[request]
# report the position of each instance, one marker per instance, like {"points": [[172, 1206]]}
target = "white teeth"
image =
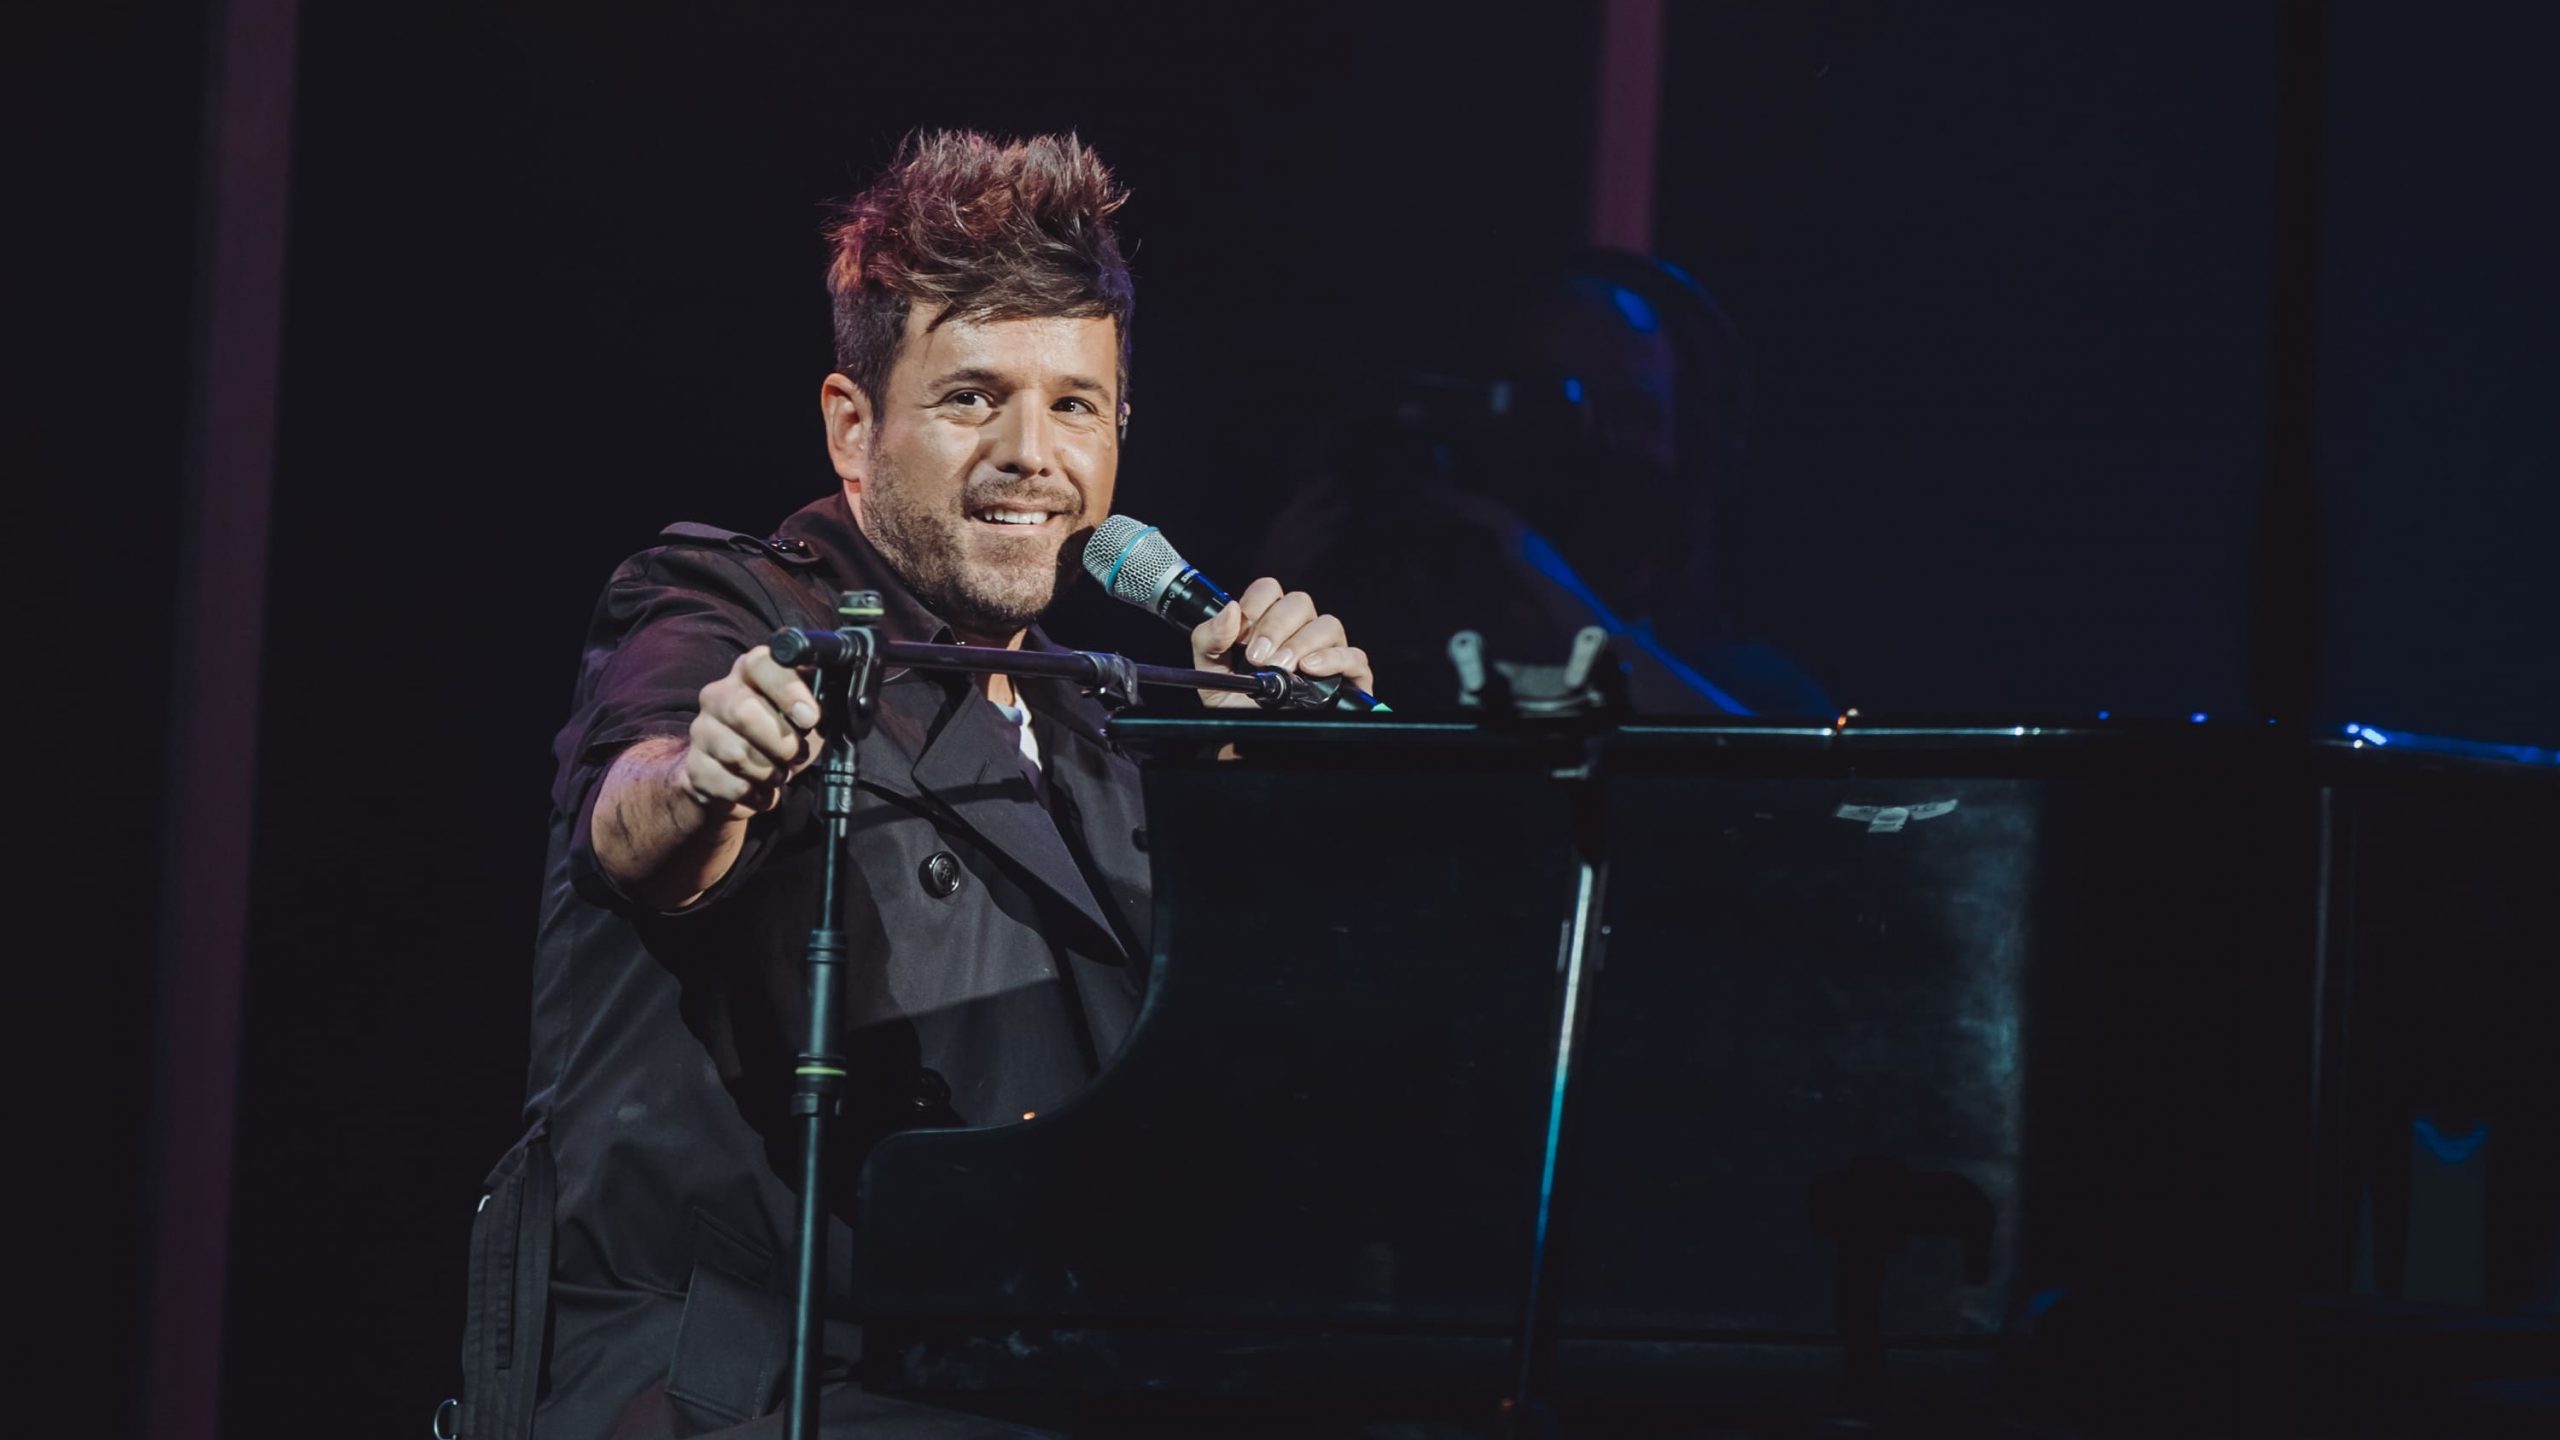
{"points": [[1012, 517]]}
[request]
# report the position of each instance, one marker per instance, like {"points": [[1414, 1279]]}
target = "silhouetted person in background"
{"points": [[1575, 470]]}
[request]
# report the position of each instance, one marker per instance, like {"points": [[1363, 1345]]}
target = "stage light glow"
{"points": [[2361, 735], [1640, 316], [2451, 1149]]}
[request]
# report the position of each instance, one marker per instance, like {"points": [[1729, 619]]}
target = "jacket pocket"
{"points": [[732, 1348], [508, 1307]]}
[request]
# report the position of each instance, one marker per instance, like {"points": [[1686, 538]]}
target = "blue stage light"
{"points": [[1632, 305], [2451, 1149], [2364, 735]]}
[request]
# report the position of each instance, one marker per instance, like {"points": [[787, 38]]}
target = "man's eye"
{"points": [[1080, 403], [965, 397]]}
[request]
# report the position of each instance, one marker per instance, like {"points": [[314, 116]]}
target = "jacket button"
{"points": [[940, 873], [927, 1092], [1138, 838]]}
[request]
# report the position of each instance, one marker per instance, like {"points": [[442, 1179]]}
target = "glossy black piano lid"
{"points": [[1935, 1035]]}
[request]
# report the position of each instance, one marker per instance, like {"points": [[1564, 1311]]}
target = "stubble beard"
{"points": [[926, 545]]}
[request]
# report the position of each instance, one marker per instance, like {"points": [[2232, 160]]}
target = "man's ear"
{"points": [[850, 419], [1124, 422]]}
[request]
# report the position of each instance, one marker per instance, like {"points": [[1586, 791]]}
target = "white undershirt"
{"points": [[1020, 715]]}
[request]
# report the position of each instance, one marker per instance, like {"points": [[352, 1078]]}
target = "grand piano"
{"points": [[1742, 1079]]}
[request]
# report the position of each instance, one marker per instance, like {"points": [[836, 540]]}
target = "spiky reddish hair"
{"points": [[981, 228]]}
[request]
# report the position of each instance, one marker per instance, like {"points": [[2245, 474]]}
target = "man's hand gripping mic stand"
{"points": [[849, 661]]}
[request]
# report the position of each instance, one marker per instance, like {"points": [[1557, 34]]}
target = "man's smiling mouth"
{"points": [[1024, 514]]}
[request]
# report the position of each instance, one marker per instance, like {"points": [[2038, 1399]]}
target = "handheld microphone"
{"points": [[1134, 561]]}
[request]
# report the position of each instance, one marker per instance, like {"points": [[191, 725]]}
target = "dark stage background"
{"points": [[553, 281]]}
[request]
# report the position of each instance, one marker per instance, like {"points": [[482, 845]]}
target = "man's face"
{"points": [[994, 442]]}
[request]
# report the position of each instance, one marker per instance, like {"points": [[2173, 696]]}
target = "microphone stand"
{"points": [[850, 660], [849, 694]]}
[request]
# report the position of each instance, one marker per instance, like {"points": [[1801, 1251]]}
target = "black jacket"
{"points": [[998, 954]]}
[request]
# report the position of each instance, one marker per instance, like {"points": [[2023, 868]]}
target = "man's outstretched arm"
{"points": [[671, 814]]}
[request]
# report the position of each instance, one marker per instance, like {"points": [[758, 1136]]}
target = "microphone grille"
{"points": [[1133, 560]]}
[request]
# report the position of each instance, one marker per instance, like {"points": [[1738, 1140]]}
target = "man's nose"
{"points": [[1025, 442]]}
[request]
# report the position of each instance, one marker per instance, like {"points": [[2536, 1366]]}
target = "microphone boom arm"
{"points": [[1114, 679]]}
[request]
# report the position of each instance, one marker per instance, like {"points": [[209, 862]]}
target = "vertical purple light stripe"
{"points": [[214, 725], [1627, 117]]}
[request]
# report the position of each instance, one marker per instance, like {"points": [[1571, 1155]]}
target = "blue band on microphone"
{"points": [[1123, 557]]}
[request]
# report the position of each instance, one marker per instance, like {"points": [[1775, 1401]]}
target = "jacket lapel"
{"points": [[933, 742], [966, 765], [1098, 794]]}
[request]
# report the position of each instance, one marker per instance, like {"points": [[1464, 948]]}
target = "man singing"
{"points": [[629, 1268]]}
